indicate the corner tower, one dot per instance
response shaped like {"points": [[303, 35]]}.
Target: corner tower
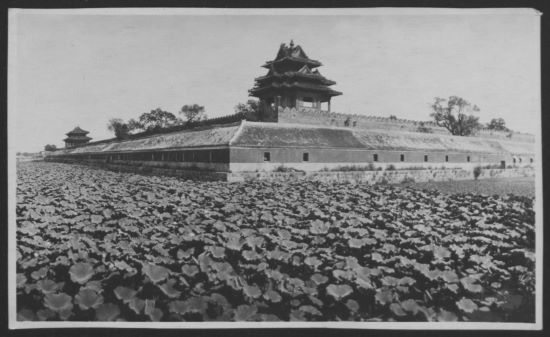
{"points": [[292, 81], [76, 137]]}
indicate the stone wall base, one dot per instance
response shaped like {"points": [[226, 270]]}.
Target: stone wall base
{"points": [[389, 177], [370, 177]]}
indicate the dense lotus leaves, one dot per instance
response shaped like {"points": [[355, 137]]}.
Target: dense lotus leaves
{"points": [[94, 244]]}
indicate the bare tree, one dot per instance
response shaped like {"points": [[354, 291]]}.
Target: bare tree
{"points": [[453, 117]]}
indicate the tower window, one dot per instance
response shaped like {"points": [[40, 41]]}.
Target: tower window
{"points": [[267, 156], [402, 157], [305, 156], [425, 157], [531, 160], [468, 159], [446, 158], [520, 160], [375, 157]]}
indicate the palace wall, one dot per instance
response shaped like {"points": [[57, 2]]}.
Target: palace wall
{"points": [[316, 159], [325, 118], [264, 147]]}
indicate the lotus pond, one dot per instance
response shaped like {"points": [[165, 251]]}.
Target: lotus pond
{"points": [[100, 245]]}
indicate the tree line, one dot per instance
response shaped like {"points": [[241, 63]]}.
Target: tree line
{"points": [[159, 119], [454, 114]]}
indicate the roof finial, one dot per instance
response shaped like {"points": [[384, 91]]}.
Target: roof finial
{"points": [[291, 43]]}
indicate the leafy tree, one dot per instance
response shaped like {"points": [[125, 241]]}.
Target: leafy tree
{"points": [[453, 117], [249, 108], [50, 147], [119, 127], [193, 113], [497, 124], [157, 119], [393, 117], [134, 125]]}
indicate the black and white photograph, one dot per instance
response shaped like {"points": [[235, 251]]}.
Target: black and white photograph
{"points": [[368, 168]]}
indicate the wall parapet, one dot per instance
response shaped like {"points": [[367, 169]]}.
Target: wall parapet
{"points": [[305, 115]]}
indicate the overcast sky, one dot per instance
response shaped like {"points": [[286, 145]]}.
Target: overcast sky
{"points": [[83, 69]]}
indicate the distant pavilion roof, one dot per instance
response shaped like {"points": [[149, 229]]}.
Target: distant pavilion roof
{"points": [[77, 131], [292, 54]]}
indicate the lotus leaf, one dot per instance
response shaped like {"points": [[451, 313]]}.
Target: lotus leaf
{"points": [[47, 286], [466, 305], [107, 312], [339, 291], [154, 272], [124, 294], [58, 302], [81, 272], [88, 298], [168, 289], [245, 312]]}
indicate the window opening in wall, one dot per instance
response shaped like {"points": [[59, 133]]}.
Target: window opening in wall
{"points": [[514, 160], [425, 157], [468, 159], [520, 160], [375, 157], [531, 160], [402, 157], [305, 156], [307, 102], [446, 158], [267, 156]]}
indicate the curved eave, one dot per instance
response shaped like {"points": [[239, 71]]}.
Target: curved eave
{"points": [[291, 59], [77, 140], [287, 75], [325, 90], [77, 133]]}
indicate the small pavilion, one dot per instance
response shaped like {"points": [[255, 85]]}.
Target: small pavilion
{"points": [[76, 137]]}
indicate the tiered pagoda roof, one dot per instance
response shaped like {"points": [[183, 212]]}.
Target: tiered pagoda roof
{"points": [[77, 135], [290, 69]]}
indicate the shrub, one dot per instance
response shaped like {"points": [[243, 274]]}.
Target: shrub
{"points": [[283, 168], [408, 180], [477, 172], [413, 168], [383, 181], [390, 167], [346, 168]]}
